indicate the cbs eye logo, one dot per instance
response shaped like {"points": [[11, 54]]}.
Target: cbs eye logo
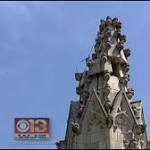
{"points": [[22, 126], [31, 127]]}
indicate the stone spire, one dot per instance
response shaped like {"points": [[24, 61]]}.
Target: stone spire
{"points": [[108, 67], [104, 86]]}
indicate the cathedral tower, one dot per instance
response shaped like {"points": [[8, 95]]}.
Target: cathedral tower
{"points": [[105, 115]]}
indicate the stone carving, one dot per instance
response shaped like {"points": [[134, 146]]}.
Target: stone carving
{"points": [[124, 80], [115, 21], [127, 52], [98, 40], [108, 21], [125, 67], [107, 76], [104, 58], [89, 61], [79, 90], [102, 25], [82, 106], [122, 39], [107, 72], [118, 25], [94, 56], [107, 46], [140, 129], [119, 46], [130, 93], [75, 127], [78, 76], [124, 60], [133, 144], [130, 142]]}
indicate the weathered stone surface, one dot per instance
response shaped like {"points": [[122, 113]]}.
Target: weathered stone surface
{"points": [[105, 115]]}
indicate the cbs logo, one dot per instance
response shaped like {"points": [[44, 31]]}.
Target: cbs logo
{"points": [[31, 125]]}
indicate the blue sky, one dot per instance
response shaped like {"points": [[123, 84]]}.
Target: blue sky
{"points": [[41, 47]]}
